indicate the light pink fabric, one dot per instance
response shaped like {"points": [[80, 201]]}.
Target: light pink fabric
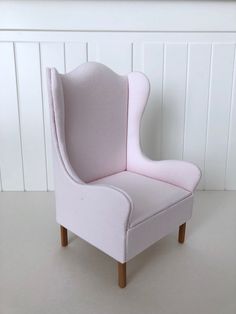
{"points": [[149, 196], [179, 173], [158, 226], [57, 113], [95, 119], [122, 213], [85, 209], [97, 214]]}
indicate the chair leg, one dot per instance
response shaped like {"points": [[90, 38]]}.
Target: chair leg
{"points": [[122, 275], [64, 237], [182, 229]]}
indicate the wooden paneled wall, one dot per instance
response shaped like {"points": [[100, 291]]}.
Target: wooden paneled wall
{"points": [[191, 112]]}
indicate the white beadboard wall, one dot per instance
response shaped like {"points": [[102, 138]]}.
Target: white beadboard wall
{"points": [[191, 113]]}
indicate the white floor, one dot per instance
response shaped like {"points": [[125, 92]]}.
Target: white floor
{"points": [[37, 276]]}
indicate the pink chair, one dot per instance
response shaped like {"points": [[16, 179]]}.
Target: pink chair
{"points": [[107, 192]]}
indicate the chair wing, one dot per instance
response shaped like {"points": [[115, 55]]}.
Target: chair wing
{"points": [[180, 173]]}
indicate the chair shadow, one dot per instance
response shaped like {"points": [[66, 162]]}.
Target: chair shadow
{"points": [[157, 251]]}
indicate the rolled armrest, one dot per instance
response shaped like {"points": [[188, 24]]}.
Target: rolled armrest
{"points": [[94, 204], [180, 173], [98, 214]]}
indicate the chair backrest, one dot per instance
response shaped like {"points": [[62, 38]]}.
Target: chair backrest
{"points": [[92, 107]]}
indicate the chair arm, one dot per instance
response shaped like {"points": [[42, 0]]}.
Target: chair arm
{"points": [[93, 204], [180, 173], [98, 214]]}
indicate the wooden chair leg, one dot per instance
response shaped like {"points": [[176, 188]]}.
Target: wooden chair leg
{"points": [[64, 237], [122, 275], [182, 229]]}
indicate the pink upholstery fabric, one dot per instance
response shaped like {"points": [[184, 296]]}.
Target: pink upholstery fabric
{"points": [[85, 209], [97, 214], [57, 113], [179, 173], [121, 212], [95, 119], [149, 196], [158, 226]]}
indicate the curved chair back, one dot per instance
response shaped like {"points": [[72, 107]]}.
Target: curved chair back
{"points": [[92, 120]]}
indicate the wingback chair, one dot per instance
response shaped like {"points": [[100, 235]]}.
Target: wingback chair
{"points": [[107, 192]]}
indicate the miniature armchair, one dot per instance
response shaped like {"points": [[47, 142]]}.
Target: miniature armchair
{"points": [[107, 192]]}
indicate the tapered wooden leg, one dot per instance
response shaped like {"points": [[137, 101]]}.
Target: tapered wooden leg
{"points": [[182, 229], [64, 237], [122, 275]]}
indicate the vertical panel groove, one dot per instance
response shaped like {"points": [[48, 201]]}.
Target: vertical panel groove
{"points": [[207, 120], [222, 68], [43, 116], [162, 96], [30, 103], [174, 100], [19, 117], [64, 56], [230, 116], [132, 56], [87, 52], [149, 59], [185, 103]]}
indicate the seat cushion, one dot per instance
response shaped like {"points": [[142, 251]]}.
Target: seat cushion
{"points": [[149, 196]]}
